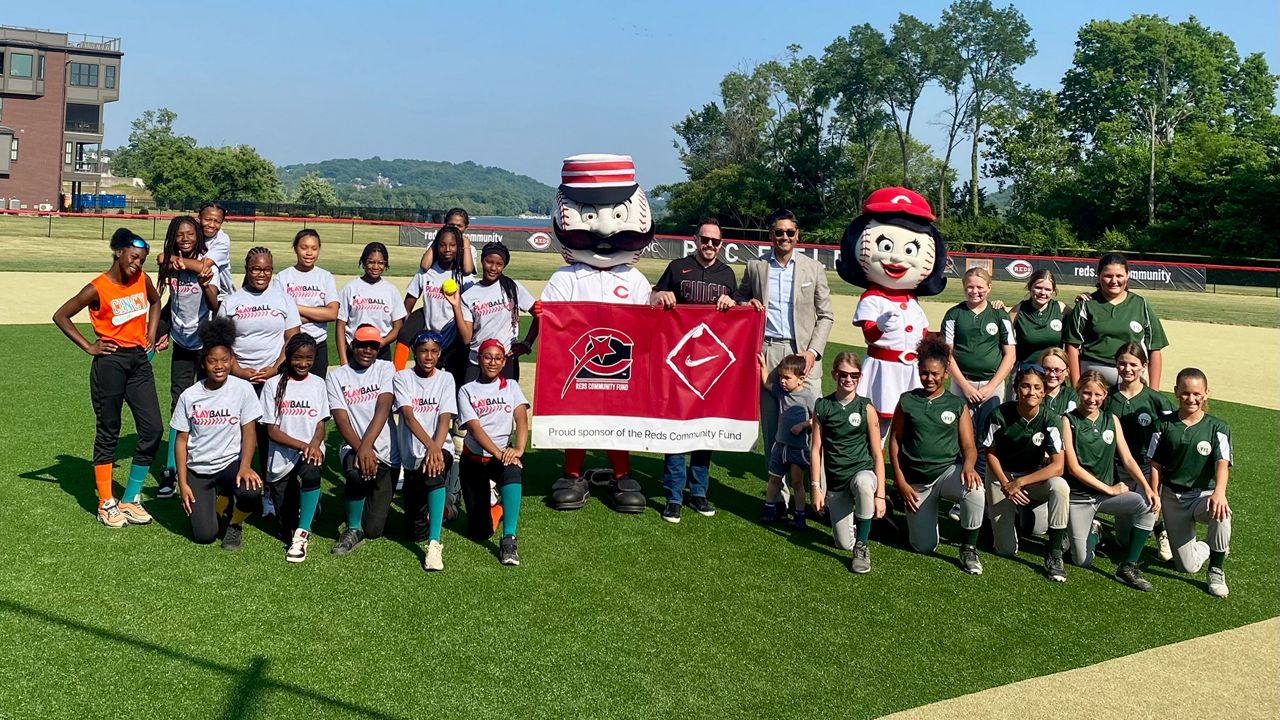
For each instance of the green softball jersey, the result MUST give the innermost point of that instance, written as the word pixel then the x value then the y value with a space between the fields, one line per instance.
pixel 1188 455
pixel 846 449
pixel 1137 416
pixel 1095 445
pixel 930 442
pixel 1034 330
pixel 1062 403
pixel 1019 443
pixel 1099 328
pixel 978 339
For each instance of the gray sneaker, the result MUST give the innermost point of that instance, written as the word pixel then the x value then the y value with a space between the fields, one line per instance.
pixel 969 561
pixel 861 559
pixel 349 540
pixel 232 538
pixel 1217 582
pixel 434 559
pixel 1054 569
pixel 1129 574
pixel 507 551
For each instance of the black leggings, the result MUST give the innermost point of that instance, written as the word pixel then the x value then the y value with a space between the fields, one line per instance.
pixel 376 494
pixel 124 376
pixel 475 474
pixel 184 371
pixel 321 365
pixel 206 489
pixel 286 495
pixel 417 485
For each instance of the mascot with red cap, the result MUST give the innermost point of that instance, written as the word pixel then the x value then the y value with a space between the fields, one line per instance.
pixel 894 251
pixel 603 224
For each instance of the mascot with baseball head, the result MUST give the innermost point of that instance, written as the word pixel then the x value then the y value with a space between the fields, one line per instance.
pixel 603 224
pixel 894 251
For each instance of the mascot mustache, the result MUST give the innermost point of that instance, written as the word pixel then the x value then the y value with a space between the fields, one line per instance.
pixel 624 241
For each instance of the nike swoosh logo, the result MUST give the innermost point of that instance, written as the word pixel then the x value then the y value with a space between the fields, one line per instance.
pixel 689 362
pixel 686 271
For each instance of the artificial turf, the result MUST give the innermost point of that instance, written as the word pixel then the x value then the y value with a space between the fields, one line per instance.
pixel 609 616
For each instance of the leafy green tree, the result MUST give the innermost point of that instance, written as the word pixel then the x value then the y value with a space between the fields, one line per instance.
pixel 851 72
pixel 315 190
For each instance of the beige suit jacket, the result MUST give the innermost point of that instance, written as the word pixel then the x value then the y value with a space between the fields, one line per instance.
pixel 811 314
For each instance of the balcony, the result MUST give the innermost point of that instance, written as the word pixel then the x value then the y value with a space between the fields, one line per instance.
pixel 83 127
pixel 93 42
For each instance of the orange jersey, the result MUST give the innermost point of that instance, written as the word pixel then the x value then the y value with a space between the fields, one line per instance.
pixel 121 316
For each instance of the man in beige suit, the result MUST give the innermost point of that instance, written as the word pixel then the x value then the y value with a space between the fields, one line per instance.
pixel 792 290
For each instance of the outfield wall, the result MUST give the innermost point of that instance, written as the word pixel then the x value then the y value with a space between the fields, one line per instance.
pixel 1070 271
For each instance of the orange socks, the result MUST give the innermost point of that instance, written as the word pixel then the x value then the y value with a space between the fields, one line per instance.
pixel 102 478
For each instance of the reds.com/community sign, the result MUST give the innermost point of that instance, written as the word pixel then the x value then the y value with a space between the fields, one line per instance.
pixel 646 378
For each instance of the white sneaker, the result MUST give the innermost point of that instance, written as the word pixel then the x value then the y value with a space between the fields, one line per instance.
pixel 434 559
pixel 297 551
pixel 1217 582
pixel 1163 548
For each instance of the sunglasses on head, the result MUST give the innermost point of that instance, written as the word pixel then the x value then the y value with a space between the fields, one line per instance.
pixel 428 336
pixel 707 240
pixel 843 375
pixel 1032 367
pixel 140 244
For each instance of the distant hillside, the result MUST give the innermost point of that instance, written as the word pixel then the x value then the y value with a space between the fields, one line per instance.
pixel 427 184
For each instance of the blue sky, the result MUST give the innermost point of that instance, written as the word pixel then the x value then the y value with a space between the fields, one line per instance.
pixel 514 84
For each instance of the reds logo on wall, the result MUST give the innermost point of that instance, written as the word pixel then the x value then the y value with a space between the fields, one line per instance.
pixel 601 361
pixel 540 241
pixel 1020 269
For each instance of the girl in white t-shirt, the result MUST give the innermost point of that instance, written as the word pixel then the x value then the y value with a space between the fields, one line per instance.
pixel 490 310
pixel 315 292
pixel 295 406
pixel 437 313
pixel 369 300
pixel 496 415
pixel 360 399
pixel 428 401
pixel 216 421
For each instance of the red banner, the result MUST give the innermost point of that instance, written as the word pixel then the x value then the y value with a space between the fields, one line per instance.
pixel 635 377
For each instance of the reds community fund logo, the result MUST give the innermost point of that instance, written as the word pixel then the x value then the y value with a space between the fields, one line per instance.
pixel 601 361
pixel 700 359
pixel 1019 269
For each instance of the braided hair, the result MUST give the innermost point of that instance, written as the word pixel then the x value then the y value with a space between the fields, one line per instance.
pixel 171 244
pixel 253 253
pixel 456 266
pixel 507 284
pixel 298 342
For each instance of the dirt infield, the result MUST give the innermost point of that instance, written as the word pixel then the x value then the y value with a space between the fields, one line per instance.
pixel 1232 674
pixel 31 298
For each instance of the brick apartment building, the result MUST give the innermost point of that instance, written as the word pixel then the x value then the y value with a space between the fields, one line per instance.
pixel 53 87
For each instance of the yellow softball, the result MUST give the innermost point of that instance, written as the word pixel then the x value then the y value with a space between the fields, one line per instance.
pixel 449 287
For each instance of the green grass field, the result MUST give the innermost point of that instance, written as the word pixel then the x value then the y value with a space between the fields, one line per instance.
pixel 610 616
pixel 77 245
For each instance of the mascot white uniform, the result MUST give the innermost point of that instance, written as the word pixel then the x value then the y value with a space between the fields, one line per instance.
pixel 893 250
pixel 603 224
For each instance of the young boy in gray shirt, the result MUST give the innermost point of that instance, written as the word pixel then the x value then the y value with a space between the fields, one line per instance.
pixel 790 452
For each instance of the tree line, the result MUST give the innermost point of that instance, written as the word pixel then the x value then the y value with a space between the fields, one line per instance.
pixel 1161 137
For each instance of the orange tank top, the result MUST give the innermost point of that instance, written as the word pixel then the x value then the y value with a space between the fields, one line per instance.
pixel 121 316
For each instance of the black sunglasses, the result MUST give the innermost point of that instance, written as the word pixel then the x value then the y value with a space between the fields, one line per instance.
pixel 841 374
pixel 787 232
pixel 710 240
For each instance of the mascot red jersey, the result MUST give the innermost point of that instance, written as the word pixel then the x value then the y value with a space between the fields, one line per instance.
pixel 603 224
pixel 893 250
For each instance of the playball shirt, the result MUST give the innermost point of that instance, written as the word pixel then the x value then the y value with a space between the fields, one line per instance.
pixel 846 449
pixel 313 288
pixel 930 443
pixel 489 311
pixel 212 420
pixel 305 403
pixel 1189 454
pixel 188 308
pixel 378 304
pixel 1019 443
pixel 495 407
pixel 1099 328
pixel 261 320
pixel 356 392
pixel 978 338
pixel 427 398
pixel 437 313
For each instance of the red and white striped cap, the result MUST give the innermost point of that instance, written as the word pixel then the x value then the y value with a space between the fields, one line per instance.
pixel 598 178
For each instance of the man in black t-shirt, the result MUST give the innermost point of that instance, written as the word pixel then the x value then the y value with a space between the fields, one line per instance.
pixel 698 279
